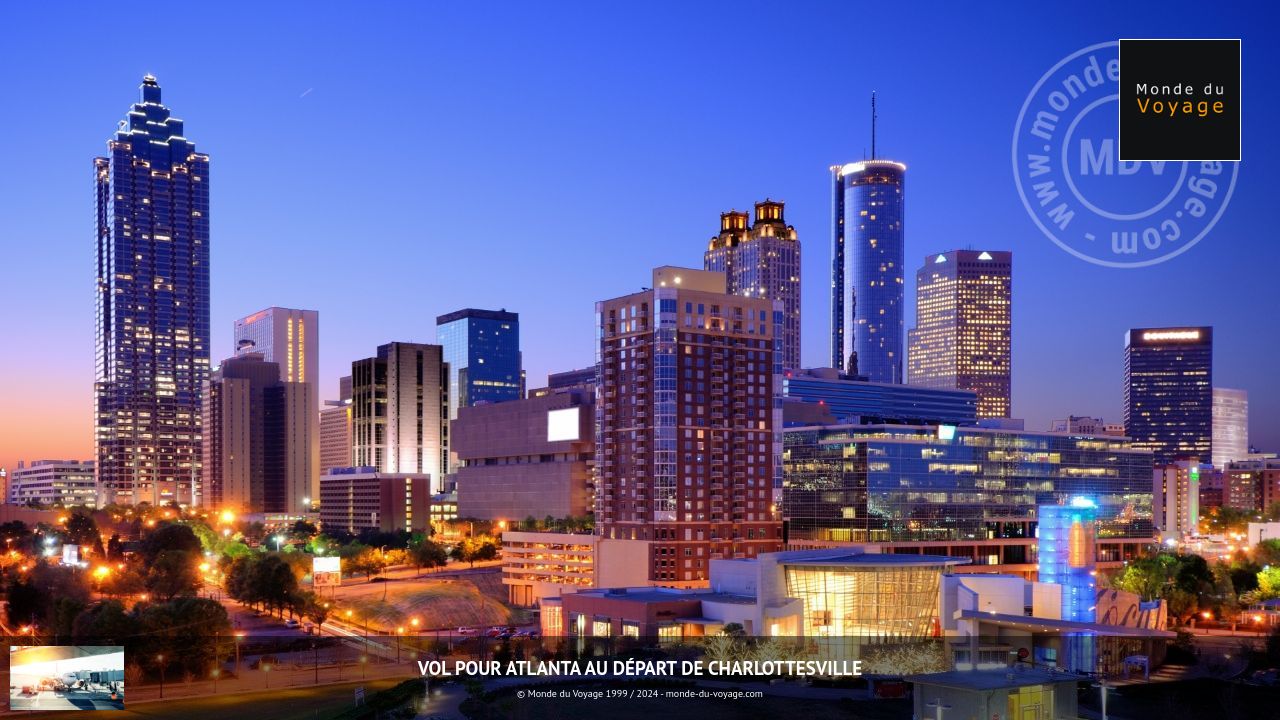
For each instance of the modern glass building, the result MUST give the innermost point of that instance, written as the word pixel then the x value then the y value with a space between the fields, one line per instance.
pixel 152 326
pixel 889 483
pixel 867 269
pixel 962 337
pixel 860 402
pixel 1230 426
pixel 1168 392
pixel 482 348
pixel 762 261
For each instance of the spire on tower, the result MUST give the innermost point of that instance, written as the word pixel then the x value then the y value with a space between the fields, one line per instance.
pixel 873 124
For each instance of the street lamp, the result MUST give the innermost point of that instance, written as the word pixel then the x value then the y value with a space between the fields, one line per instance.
pixel 266 672
pixel 239 636
pixel 399 633
pixel 214 673
pixel 279 541
pixel 160 661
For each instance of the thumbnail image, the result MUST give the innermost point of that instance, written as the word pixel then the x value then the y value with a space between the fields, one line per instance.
pixel 66 677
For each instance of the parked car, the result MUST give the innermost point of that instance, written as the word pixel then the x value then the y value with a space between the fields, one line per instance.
pixel 291 623
pixel 467 631
pixel 309 628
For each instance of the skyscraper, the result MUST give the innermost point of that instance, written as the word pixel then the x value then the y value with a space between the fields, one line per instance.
pixel 290 338
pixel 1230 426
pixel 482 348
pixel 258 454
pixel 1168 398
pixel 287 337
pixel 400 410
pixel 152 326
pixel 762 261
pixel 688 451
pixel 962 336
pixel 867 255
pixel 335 429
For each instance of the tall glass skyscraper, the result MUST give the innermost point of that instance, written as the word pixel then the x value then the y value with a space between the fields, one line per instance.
pixel 1168 392
pixel 867 276
pixel 152 327
pixel 482 348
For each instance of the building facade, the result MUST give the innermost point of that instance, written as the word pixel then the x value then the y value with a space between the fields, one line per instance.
pixel 852 401
pixel 867 277
pixel 335 429
pixel 482 348
pixel 1084 425
pixel 526 458
pixel 400 410
pixel 1176 498
pixel 152 326
pixel 963 333
pixel 1252 484
pixel 289 338
pixel 360 498
pixel 541 565
pixel 762 260
pixel 1230 426
pixel 53 482
pixel 1168 392
pixel 687 420
pixel 258 455
pixel 968 492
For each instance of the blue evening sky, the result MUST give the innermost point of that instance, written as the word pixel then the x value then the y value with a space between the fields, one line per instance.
pixel 387 162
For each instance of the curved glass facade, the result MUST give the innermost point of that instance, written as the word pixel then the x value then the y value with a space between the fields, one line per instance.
pixel 867 602
pixel 873 219
pixel 894 482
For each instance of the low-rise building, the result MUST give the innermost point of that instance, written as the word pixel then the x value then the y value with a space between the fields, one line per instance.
pixel 356 499
pixel 53 482
pixel 540 565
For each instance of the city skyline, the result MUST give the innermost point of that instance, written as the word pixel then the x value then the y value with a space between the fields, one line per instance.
pixel 55 394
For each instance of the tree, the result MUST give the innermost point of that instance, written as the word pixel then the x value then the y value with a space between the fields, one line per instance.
pixel 173 573
pixel 115 549
pixel 82 530
pixel 1269 583
pixel 169 537
pixel 734 629
pixel 474 549
pixel 303 530
pixel 106 621
pixel 428 554
pixel 315 610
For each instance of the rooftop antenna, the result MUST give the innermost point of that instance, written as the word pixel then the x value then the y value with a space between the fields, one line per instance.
pixel 873 124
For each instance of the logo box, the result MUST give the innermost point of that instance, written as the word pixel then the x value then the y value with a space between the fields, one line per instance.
pixel 1180 100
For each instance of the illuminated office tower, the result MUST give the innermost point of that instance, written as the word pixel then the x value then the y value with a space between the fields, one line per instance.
pixel 688 449
pixel 290 338
pixel 152 325
pixel 482 348
pixel 400 410
pixel 961 340
pixel 1168 399
pixel 762 261
pixel 867 256
pixel 1230 426
pixel 335 429
pixel 258 454
pixel 1176 498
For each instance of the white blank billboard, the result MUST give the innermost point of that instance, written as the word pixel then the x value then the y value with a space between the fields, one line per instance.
pixel 563 425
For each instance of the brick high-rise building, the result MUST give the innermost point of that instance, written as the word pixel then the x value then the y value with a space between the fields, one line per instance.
pixel 688 452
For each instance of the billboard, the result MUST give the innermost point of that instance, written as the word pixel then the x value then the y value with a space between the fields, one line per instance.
pixel 326 571
pixel 70 554
pixel 562 425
